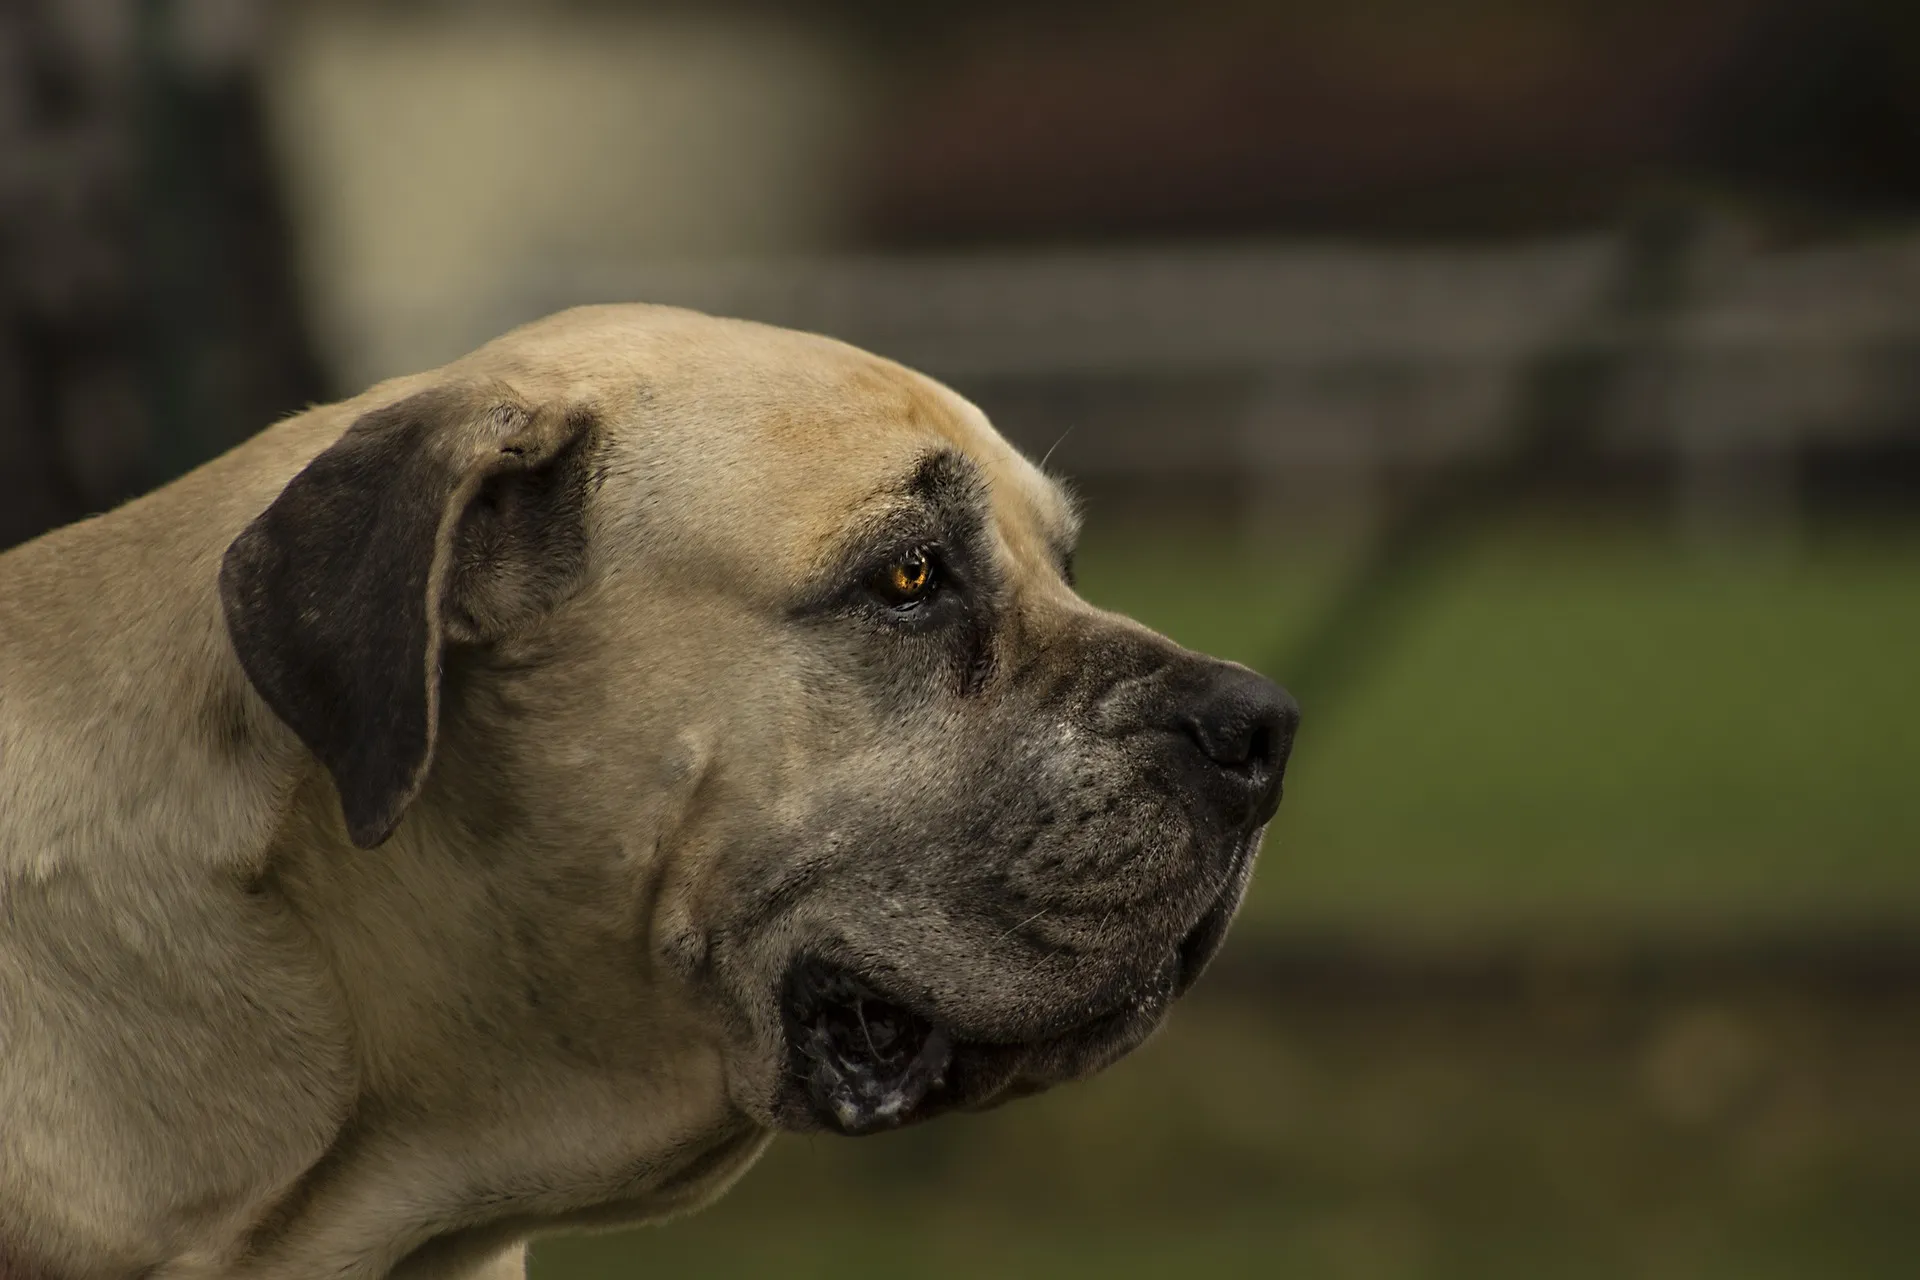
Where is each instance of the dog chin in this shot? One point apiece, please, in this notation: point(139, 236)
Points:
point(858, 1061)
point(858, 1058)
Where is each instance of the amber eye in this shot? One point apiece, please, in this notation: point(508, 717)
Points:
point(910, 577)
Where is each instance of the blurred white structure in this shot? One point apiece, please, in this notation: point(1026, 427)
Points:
point(432, 154)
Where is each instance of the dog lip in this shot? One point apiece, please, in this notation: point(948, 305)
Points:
point(919, 1067)
point(1202, 942)
point(916, 1068)
point(1269, 807)
point(867, 1062)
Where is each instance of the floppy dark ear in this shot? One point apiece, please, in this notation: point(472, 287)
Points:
point(455, 514)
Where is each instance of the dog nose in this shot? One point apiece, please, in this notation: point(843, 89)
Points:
point(1244, 724)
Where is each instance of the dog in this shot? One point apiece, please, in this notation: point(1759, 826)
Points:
point(502, 801)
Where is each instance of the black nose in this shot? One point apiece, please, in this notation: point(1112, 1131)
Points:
point(1244, 723)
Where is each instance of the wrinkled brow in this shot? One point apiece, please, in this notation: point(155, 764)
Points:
point(946, 483)
point(943, 496)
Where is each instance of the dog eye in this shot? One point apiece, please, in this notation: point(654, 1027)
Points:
point(909, 579)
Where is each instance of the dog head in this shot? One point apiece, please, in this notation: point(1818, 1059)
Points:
point(773, 646)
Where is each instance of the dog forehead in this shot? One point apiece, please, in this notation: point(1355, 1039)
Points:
point(746, 431)
point(848, 447)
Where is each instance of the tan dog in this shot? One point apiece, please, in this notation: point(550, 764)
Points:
point(504, 799)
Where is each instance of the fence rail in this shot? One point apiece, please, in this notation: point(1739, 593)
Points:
point(1282, 358)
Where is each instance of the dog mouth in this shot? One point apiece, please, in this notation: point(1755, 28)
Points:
point(1203, 941)
point(867, 1063)
point(862, 1062)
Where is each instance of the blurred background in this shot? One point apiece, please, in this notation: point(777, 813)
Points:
point(1532, 385)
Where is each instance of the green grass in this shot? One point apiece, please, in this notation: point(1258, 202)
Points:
point(1583, 723)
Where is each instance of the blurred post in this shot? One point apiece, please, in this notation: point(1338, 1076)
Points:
point(148, 311)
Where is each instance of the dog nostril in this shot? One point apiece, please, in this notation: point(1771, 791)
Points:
point(1230, 745)
point(1244, 724)
point(1260, 749)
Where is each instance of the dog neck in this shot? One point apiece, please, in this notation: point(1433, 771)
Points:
point(144, 990)
point(14, 1266)
point(516, 1055)
point(130, 743)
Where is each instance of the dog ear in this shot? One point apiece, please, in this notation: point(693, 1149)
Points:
point(455, 515)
